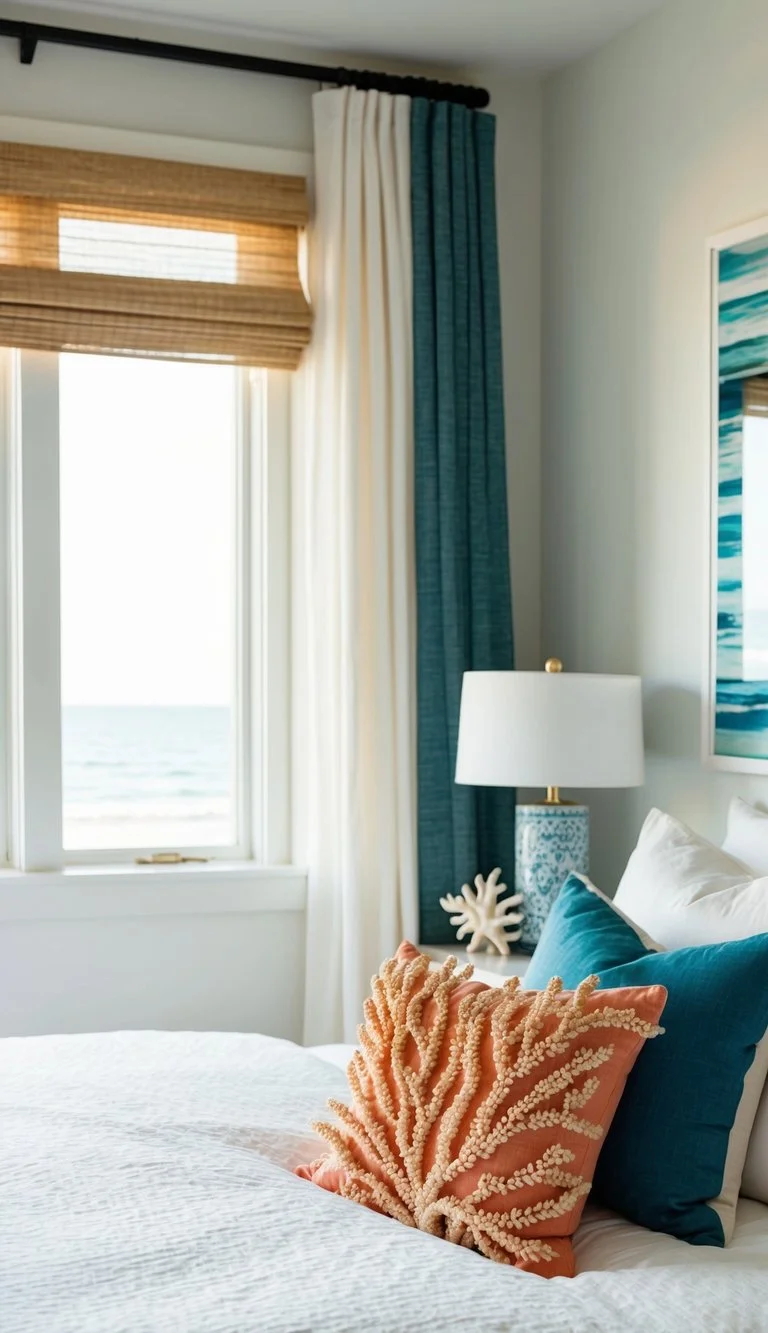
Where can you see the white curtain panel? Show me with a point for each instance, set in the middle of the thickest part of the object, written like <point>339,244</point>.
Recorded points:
<point>354,750</point>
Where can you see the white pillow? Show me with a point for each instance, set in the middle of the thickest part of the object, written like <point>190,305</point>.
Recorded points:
<point>685,891</point>
<point>754,1180</point>
<point>747,835</point>
<point>747,838</point>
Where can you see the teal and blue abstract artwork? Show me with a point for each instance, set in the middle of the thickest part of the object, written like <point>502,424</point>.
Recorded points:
<point>738,714</point>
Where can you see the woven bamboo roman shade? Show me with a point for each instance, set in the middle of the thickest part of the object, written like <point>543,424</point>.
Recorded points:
<point>139,257</point>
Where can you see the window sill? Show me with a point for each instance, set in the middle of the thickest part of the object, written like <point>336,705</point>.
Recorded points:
<point>87,893</point>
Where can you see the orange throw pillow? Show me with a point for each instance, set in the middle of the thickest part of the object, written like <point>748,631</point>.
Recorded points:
<point>478,1112</point>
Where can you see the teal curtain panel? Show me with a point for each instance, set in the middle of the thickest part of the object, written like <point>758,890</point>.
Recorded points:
<point>464,604</point>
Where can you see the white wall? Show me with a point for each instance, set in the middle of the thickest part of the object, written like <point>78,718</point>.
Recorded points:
<point>123,92</point>
<point>85,952</point>
<point>651,146</point>
<point>203,966</point>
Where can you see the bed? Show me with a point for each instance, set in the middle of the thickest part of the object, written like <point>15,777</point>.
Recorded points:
<point>146,1187</point>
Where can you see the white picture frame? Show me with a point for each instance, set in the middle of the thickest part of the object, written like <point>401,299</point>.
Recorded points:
<point>735,700</point>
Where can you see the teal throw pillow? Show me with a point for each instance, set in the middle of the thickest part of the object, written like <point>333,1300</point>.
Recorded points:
<point>673,1157</point>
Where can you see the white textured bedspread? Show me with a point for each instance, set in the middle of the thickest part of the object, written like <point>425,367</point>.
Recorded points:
<point>145,1184</point>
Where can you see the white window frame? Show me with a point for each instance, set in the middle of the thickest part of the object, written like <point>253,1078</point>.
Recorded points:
<point>266,569</point>
<point>32,628</point>
<point>30,655</point>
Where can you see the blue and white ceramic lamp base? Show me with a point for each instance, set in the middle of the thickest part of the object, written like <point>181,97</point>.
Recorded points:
<point>551,842</point>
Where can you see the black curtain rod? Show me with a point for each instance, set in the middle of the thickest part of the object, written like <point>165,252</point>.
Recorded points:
<point>29,35</point>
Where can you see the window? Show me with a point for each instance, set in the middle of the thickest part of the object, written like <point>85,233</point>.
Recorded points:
<point>147,504</point>
<point>149,453</point>
<point>145,497</point>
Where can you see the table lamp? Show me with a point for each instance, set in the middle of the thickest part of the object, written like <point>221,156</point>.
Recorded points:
<point>550,729</point>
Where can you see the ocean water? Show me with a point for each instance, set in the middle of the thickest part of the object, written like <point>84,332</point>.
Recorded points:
<point>147,777</point>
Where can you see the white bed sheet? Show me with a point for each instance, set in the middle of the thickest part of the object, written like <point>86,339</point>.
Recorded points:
<point>146,1187</point>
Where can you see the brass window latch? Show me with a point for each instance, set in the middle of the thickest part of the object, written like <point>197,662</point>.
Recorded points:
<point>169,859</point>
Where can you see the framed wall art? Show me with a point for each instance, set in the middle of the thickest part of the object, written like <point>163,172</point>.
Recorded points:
<point>736,703</point>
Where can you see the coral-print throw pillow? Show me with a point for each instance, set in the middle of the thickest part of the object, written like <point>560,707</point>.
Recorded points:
<point>477,1113</point>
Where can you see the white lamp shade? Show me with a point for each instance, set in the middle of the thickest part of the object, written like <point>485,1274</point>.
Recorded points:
<point>542,729</point>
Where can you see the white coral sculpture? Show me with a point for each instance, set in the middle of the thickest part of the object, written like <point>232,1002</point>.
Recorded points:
<point>386,1143</point>
<point>483,916</point>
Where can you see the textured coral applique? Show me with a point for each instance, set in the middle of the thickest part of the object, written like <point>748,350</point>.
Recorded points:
<point>471,1106</point>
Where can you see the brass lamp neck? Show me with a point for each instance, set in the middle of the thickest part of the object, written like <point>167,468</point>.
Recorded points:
<point>553,666</point>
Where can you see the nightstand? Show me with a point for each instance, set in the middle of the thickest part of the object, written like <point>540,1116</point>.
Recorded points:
<point>492,968</point>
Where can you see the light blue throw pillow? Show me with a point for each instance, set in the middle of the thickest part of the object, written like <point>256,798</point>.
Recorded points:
<point>670,1162</point>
